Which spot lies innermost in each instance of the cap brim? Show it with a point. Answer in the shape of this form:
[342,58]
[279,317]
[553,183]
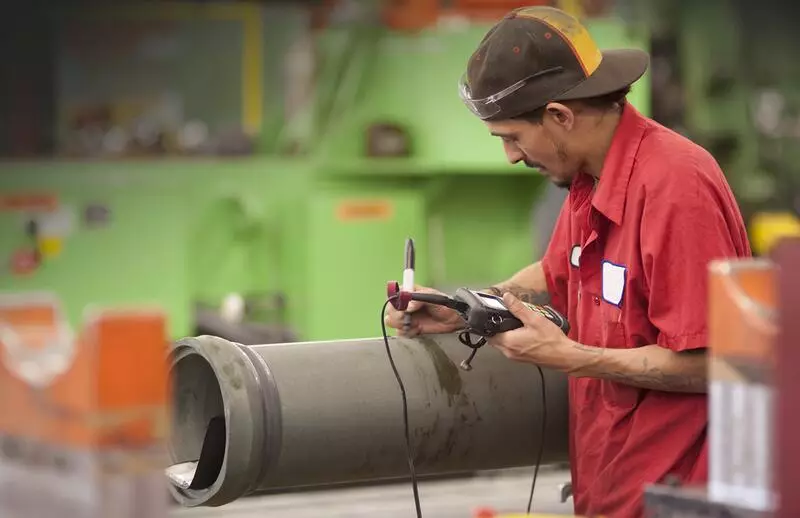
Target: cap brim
[618,69]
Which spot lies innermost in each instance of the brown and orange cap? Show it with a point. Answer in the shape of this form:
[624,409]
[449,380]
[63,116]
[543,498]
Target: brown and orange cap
[537,55]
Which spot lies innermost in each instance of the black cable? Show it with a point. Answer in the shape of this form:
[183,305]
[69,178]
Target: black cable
[405,409]
[541,441]
[465,339]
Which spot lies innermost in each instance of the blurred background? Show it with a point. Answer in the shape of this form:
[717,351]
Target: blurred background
[254,167]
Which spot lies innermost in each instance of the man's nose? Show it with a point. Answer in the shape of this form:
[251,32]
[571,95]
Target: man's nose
[514,155]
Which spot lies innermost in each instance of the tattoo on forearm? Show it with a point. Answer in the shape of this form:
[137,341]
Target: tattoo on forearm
[655,378]
[689,377]
[540,298]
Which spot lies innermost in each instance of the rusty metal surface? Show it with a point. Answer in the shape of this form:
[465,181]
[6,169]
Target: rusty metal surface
[338,412]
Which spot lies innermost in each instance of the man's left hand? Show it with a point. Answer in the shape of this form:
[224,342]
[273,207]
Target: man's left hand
[538,341]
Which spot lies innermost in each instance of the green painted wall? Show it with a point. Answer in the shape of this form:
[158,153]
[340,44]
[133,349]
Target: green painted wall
[187,231]
[412,81]
[726,71]
[159,246]
[183,231]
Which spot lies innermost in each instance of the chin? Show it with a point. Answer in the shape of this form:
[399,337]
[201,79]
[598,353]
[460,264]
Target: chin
[563,184]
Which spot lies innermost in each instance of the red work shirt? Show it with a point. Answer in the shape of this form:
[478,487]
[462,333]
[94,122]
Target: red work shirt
[627,263]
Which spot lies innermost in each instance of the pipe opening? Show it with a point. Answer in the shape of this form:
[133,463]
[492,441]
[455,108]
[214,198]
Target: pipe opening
[199,435]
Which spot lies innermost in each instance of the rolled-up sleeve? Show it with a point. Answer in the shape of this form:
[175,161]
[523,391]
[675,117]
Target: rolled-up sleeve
[687,222]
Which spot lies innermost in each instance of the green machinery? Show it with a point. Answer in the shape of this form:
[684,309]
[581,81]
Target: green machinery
[311,226]
[728,79]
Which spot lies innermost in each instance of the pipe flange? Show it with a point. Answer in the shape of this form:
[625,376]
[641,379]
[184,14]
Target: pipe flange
[245,419]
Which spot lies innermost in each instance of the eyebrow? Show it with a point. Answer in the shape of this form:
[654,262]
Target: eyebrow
[503,135]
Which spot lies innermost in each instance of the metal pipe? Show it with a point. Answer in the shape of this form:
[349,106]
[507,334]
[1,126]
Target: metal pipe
[251,419]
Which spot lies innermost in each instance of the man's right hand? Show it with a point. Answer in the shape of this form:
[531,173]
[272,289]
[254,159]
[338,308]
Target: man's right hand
[425,318]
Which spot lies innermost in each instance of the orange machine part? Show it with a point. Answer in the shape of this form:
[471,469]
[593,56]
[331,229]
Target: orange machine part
[114,393]
[419,14]
[743,298]
[410,15]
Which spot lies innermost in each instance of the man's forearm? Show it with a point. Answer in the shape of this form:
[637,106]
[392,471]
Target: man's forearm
[528,285]
[650,367]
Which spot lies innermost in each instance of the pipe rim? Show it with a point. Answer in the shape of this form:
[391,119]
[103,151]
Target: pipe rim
[270,408]
[244,414]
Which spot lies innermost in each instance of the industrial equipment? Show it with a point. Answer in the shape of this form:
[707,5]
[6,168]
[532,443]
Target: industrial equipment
[378,147]
[753,457]
[268,417]
[83,412]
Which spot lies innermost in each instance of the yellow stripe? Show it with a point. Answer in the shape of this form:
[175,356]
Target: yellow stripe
[575,34]
[252,71]
[572,7]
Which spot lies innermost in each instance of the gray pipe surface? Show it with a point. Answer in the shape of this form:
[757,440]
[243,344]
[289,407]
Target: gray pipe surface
[281,416]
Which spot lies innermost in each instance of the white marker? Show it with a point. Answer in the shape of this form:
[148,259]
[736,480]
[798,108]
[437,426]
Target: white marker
[408,278]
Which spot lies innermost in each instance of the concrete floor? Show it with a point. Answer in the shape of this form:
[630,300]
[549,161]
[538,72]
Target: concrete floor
[456,498]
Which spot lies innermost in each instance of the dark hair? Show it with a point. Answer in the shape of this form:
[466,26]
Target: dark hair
[601,102]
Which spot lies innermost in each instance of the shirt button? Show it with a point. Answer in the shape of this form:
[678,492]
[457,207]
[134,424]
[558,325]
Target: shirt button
[596,301]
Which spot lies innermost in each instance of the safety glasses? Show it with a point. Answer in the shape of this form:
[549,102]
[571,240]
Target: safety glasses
[488,106]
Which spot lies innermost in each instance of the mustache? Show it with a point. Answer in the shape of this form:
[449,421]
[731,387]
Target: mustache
[533,165]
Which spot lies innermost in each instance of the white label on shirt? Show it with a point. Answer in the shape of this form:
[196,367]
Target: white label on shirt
[575,256]
[613,282]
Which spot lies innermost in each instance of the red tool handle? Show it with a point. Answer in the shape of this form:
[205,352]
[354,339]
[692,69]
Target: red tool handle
[402,299]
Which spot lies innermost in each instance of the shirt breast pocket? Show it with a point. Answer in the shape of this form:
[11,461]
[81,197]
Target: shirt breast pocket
[612,294]
[616,396]
[611,330]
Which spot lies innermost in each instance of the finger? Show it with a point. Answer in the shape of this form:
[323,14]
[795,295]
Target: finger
[518,309]
[394,319]
[412,332]
[499,344]
[396,315]
[498,341]
[416,305]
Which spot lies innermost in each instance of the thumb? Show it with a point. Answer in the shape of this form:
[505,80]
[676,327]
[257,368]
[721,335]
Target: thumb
[413,306]
[416,305]
[518,309]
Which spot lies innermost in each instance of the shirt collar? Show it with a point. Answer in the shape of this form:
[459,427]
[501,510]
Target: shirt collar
[612,190]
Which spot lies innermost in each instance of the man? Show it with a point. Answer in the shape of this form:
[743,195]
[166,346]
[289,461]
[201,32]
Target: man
[627,263]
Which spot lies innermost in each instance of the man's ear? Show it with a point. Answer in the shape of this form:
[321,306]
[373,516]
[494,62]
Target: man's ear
[560,114]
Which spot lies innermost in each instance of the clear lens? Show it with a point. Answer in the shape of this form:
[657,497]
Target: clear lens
[488,106]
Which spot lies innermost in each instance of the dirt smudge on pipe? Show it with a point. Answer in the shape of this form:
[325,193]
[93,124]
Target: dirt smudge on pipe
[446,371]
